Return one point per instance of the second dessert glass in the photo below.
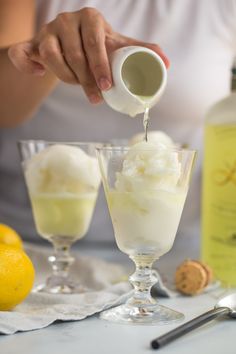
(63, 181)
(146, 191)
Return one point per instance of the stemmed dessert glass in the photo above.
(62, 181)
(145, 203)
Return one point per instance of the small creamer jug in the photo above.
(139, 80)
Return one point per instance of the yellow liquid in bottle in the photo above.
(219, 202)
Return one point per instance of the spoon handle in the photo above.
(189, 326)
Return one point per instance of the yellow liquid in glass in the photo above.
(63, 215)
(219, 202)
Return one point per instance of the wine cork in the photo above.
(192, 276)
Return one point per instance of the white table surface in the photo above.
(92, 335)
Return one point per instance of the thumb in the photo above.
(21, 55)
(153, 46)
(160, 52)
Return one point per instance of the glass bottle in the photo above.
(219, 189)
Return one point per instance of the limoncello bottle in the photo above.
(219, 190)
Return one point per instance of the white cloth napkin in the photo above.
(108, 284)
(40, 310)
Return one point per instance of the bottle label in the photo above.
(219, 202)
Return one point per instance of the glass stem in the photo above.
(61, 260)
(142, 280)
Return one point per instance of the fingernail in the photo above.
(104, 84)
(166, 60)
(94, 99)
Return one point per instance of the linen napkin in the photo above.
(107, 283)
(106, 289)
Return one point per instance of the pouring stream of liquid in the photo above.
(146, 123)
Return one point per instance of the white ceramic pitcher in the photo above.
(139, 79)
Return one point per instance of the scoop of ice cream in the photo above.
(149, 166)
(155, 136)
(62, 169)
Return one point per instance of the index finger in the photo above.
(93, 36)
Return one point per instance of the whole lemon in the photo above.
(16, 276)
(10, 237)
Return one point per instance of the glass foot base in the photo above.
(60, 286)
(157, 314)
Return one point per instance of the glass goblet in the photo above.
(145, 197)
(62, 181)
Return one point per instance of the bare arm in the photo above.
(20, 93)
(16, 21)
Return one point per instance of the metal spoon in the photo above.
(225, 306)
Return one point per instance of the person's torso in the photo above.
(199, 43)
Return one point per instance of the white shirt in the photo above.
(199, 37)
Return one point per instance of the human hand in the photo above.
(75, 47)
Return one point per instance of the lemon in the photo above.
(10, 237)
(16, 276)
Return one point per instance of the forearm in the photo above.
(20, 94)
